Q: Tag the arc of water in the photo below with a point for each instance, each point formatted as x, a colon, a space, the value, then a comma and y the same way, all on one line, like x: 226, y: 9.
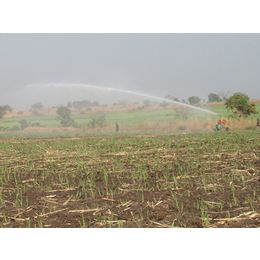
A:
x: 128, y: 91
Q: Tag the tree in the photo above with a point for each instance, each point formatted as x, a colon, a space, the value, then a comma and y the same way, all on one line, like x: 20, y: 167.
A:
x: 182, y: 112
x: 239, y: 105
x: 77, y: 104
x: 164, y: 104
x: 194, y: 100
x: 64, y: 117
x: 8, y: 108
x: 95, y: 104
x: 69, y: 104
x: 172, y: 98
x: 86, y: 103
x: 213, y: 98
x: 37, y: 106
x: 2, y: 111
x: 147, y: 102
x: 224, y: 95
x: 97, y: 120
x: 122, y: 103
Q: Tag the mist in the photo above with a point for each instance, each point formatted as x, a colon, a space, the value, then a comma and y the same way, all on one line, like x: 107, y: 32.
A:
x: 181, y: 65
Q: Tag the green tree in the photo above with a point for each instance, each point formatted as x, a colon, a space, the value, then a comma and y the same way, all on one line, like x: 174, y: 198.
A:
x: 213, y: 98
x: 8, y: 108
x: 2, y: 111
x: 64, y: 117
x: 194, y: 100
x: 239, y: 105
x: 77, y: 104
x: 69, y: 104
x: 37, y: 106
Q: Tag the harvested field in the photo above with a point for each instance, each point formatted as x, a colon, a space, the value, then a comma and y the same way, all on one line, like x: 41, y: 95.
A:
x: 191, y: 180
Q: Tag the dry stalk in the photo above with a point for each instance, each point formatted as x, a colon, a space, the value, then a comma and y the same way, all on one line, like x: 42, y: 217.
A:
x: 162, y: 225
x: 50, y: 213
x: 60, y: 190
x: 126, y: 204
x: 82, y: 210
x: 66, y: 202
x: 237, y: 218
x: 109, y: 199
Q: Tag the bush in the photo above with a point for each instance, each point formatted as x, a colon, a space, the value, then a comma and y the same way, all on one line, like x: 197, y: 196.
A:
x: 24, y: 124
x: 251, y: 127
x: 140, y: 108
x: 88, y: 109
x: 97, y: 120
x: 36, y: 113
x: 181, y: 128
x: 20, y: 113
x: 36, y: 124
x: 15, y: 128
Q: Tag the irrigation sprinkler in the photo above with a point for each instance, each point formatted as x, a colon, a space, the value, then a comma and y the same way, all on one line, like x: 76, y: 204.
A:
x: 221, y: 124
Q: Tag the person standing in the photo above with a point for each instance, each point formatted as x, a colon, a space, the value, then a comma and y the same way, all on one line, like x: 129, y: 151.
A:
x: 258, y: 124
x: 117, y: 127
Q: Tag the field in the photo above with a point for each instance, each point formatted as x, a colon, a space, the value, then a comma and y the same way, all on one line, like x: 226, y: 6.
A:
x: 131, y: 118
x: 174, y: 180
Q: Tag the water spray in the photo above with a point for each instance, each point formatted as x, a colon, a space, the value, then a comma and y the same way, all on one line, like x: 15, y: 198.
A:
x: 119, y: 90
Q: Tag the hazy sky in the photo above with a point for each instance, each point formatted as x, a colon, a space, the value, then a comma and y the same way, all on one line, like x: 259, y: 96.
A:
x: 181, y: 65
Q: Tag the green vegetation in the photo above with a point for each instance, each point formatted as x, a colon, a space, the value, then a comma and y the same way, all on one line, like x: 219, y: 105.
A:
x: 37, y: 106
x: 64, y: 116
x: 238, y: 104
x: 132, y: 117
x: 158, y: 181
x: 194, y: 100
x: 97, y: 120
x: 212, y: 97
x: 3, y: 110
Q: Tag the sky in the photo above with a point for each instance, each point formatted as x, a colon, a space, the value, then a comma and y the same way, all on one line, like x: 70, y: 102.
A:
x: 156, y: 64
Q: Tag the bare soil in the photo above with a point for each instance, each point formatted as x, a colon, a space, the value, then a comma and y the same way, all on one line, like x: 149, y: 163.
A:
x: 146, y: 181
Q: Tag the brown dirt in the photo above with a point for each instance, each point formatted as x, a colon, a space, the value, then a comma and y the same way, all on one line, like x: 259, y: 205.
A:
x: 40, y: 197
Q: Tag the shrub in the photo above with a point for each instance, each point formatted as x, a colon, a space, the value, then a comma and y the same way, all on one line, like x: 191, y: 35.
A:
x: 97, y: 120
x: 250, y: 127
x: 182, y: 128
x: 36, y: 124
x: 24, y: 124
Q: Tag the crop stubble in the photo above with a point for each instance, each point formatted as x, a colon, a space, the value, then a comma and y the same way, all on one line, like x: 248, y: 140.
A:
x: 193, y: 180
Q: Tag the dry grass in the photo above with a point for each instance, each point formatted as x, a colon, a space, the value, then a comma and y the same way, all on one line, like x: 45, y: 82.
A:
x: 74, y: 111
x: 52, y: 130
x: 195, y: 124
x: 241, y: 123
